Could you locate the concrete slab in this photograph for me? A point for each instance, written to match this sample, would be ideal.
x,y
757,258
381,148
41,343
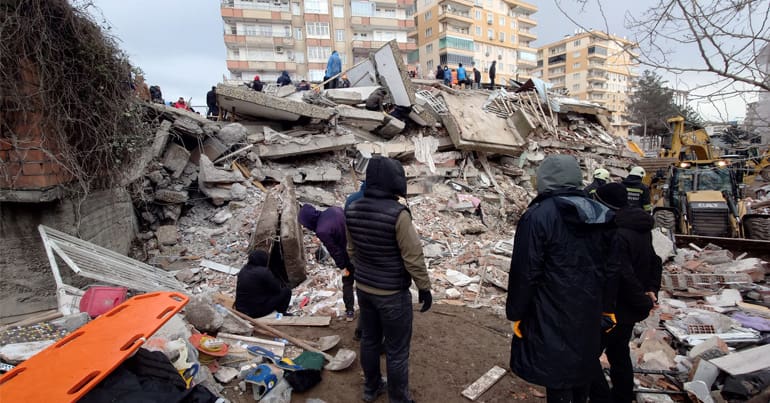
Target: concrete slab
x,y
266,226
244,101
300,174
213,148
170,196
362,74
350,96
360,118
210,174
175,159
391,128
187,125
161,138
393,74
292,237
471,128
317,144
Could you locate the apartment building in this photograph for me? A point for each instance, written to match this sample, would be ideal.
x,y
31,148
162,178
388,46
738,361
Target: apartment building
x,y
265,37
592,66
449,32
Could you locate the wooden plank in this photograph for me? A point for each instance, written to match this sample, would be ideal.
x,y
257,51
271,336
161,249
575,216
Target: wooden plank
x,y
296,320
483,384
219,267
745,361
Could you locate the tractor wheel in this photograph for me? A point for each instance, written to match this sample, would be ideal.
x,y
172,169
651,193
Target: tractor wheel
x,y
757,228
665,219
765,173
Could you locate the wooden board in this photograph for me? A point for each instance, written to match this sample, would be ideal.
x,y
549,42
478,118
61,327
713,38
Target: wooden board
x,y
744,362
483,384
270,320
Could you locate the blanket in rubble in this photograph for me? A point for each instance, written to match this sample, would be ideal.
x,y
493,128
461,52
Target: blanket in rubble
x,y
148,377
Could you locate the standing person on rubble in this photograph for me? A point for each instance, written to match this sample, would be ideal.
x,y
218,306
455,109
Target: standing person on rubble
x,y
601,176
211,102
447,74
638,192
476,78
257,84
556,282
439,73
387,253
333,68
284,79
257,291
462,75
492,74
639,272
329,227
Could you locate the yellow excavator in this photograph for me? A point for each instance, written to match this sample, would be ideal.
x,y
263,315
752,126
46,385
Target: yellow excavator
x,y
695,193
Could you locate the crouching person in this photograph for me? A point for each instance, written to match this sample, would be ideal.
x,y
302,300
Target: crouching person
x,y
258,292
387,254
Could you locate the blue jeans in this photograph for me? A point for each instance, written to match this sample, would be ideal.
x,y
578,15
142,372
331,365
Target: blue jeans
x,y
388,316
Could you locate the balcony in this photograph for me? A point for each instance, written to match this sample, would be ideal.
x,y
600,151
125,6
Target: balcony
x,y
461,3
522,7
525,20
455,15
369,23
254,41
365,47
282,63
251,15
527,62
597,89
526,33
412,34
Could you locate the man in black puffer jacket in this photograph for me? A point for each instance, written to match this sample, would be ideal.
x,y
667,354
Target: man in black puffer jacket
x,y
638,271
556,283
387,254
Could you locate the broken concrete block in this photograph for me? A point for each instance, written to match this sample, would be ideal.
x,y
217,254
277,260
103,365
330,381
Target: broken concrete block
x,y
175,328
473,229
248,102
317,174
350,96
391,128
210,174
317,196
459,279
167,235
653,398
711,348
714,257
267,224
187,126
175,159
233,325
656,354
361,118
185,275
170,196
699,390
663,245
705,372
213,148
172,211
292,237
232,134
17,353
728,297
200,313
221,216
432,250
155,177
471,128
753,267
316,144
238,192
161,139
452,293
226,374
72,322
218,195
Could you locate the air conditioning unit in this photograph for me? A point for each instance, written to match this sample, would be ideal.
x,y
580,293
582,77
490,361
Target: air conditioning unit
x,y
490,22
499,57
486,54
279,49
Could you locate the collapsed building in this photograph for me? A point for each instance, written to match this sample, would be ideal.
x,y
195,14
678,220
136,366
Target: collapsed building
x,y
205,193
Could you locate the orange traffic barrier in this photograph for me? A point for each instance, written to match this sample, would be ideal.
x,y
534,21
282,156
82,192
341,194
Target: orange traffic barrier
x,y
68,369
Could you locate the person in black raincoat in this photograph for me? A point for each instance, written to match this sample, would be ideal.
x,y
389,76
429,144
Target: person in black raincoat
x,y
638,271
556,283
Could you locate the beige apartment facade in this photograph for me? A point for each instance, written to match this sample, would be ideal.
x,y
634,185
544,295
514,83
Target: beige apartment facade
x,y
450,32
592,66
266,37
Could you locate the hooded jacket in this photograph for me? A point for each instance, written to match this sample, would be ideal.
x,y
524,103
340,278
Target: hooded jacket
x,y
557,278
386,251
334,65
256,286
637,266
493,69
284,79
329,227
439,73
638,192
591,188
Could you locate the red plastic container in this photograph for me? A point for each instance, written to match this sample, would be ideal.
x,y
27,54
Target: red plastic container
x,y
100,299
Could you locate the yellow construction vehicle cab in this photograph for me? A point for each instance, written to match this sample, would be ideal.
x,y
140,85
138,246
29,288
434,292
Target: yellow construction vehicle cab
x,y
688,146
703,198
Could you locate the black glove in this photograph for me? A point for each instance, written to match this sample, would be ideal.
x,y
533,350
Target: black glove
x,y
425,297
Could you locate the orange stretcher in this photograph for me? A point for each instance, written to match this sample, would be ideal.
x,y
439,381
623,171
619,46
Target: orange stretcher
x,y
68,369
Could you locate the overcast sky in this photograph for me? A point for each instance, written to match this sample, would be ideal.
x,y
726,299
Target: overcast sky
x,y
180,47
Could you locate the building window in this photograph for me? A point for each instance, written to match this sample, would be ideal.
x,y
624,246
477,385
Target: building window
x,y
316,75
298,34
501,36
317,29
576,43
429,32
429,64
428,15
429,48
490,19
295,9
386,13
576,76
478,14
318,53
513,40
478,31
317,6
339,11
513,24
490,34
361,8
576,54
575,65
501,21
575,87
339,34
476,47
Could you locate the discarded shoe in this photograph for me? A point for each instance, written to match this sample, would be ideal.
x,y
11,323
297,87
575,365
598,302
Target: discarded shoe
x,y
349,316
262,380
372,396
282,363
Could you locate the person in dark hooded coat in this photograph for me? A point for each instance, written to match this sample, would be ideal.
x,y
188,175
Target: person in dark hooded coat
x,y
639,272
556,283
284,79
387,253
257,291
329,227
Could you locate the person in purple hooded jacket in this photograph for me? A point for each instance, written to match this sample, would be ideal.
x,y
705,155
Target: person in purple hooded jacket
x,y
329,227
